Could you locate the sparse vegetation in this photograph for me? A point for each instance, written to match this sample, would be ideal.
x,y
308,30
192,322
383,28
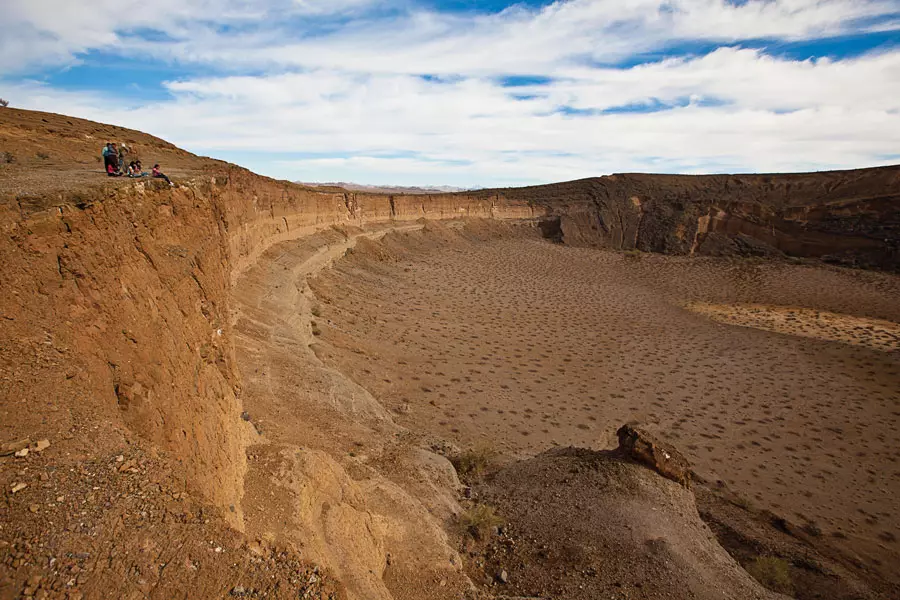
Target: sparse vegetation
x,y
742,502
42,155
633,254
4,103
772,572
812,528
479,520
316,311
471,464
7,157
315,329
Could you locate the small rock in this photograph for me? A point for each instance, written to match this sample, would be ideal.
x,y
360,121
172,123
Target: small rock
x,y
120,458
22,453
42,445
503,577
238,590
34,508
18,487
12,447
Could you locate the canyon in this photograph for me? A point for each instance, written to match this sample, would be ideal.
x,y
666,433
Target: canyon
x,y
207,425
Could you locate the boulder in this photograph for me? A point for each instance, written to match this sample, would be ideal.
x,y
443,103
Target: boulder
x,y
644,448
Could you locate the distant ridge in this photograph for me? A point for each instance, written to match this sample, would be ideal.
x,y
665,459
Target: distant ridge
x,y
390,189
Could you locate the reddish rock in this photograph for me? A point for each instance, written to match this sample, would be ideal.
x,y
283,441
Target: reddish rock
x,y
654,453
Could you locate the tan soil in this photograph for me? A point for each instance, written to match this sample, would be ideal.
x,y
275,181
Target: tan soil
x,y
807,322
522,345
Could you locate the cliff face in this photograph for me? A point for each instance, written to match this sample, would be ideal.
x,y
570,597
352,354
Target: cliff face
x,y
847,217
129,287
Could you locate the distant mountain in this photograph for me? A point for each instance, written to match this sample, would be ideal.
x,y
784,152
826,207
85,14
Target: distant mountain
x,y
390,189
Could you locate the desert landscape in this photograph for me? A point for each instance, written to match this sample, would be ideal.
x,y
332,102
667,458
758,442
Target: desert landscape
x,y
243,387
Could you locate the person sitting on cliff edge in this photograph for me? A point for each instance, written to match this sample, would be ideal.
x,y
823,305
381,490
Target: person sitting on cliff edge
x,y
159,174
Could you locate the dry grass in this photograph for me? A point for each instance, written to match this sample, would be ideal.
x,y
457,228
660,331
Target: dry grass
x,y
772,572
472,463
479,520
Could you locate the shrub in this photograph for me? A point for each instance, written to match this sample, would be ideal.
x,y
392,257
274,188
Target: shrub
x,y
479,520
771,572
316,311
42,155
4,103
472,463
742,502
7,157
812,528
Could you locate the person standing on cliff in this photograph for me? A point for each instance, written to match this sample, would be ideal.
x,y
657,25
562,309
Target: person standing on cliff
x,y
123,151
107,154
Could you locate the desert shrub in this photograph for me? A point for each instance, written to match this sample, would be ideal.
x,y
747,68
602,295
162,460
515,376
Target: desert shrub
x,y
7,157
812,528
472,463
742,502
633,254
42,155
479,520
4,103
315,329
772,572
316,311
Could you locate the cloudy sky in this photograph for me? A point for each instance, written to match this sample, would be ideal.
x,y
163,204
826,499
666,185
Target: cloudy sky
x,y
473,93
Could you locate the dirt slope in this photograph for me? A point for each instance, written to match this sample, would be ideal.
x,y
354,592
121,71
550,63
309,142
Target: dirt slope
x,y
159,337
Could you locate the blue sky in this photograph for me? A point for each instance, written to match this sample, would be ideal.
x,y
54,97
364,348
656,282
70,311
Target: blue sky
x,y
474,93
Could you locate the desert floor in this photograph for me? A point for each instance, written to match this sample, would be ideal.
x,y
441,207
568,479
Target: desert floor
x,y
781,380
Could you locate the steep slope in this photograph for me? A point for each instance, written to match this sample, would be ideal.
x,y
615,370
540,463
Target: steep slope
x,y
849,217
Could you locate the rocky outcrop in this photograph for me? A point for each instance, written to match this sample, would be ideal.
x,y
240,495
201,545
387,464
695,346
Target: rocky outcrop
x,y
644,448
846,217
581,524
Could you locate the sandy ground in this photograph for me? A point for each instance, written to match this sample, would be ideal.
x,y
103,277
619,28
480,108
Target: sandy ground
x,y
520,345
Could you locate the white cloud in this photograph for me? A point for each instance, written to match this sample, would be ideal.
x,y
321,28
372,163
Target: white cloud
x,y
352,98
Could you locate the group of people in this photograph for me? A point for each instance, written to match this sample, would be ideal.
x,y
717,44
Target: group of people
x,y
114,162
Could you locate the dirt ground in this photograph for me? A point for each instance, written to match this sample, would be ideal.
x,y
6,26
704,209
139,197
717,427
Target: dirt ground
x,y
515,344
